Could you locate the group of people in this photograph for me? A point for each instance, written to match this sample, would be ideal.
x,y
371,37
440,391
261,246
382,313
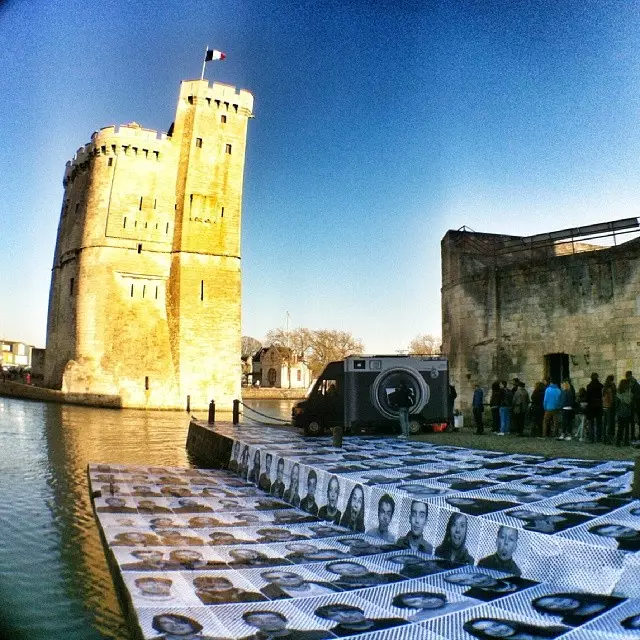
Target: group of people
x,y
597,413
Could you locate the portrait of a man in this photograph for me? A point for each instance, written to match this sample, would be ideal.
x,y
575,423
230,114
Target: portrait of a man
x,y
502,559
414,539
277,488
308,503
386,509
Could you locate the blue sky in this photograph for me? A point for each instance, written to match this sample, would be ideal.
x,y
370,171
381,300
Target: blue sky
x,y
379,125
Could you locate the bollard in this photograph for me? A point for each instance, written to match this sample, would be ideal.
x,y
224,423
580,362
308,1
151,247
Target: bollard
x,y
236,411
635,487
212,412
338,433
188,404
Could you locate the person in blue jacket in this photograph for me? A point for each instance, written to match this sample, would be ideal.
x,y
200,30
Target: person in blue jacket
x,y
552,406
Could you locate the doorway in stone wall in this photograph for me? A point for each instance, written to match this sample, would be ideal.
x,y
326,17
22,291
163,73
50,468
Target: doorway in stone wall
x,y
556,367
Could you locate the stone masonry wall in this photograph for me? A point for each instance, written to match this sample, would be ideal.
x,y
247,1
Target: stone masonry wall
x,y
501,319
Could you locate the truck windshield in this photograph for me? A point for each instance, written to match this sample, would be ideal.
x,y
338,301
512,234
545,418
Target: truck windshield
x,y
326,388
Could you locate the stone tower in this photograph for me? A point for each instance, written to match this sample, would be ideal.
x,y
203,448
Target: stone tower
x,y
146,282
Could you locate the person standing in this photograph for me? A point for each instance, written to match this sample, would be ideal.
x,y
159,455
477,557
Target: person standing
x,y
634,387
594,409
552,408
494,404
624,407
609,409
505,409
520,406
477,405
453,394
537,409
582,413
567,401
402,401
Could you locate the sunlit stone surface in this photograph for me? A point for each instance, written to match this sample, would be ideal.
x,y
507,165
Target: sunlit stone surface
x,y
380,539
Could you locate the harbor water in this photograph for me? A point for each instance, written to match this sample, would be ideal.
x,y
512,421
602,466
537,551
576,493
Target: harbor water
x,y
54,577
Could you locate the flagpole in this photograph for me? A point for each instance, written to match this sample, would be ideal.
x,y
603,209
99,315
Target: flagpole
x,y
204,62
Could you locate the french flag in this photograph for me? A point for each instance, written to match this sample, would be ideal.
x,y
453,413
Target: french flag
x,y
214,54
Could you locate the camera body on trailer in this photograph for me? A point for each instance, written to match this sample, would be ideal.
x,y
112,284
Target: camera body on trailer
x,y
372,383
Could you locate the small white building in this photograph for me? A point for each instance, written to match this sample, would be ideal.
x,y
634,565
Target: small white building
x,y
281,368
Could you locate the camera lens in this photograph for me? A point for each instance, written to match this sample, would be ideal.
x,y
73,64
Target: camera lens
x,y
399,380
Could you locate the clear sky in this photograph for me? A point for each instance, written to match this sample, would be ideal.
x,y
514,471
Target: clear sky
x,y
379,125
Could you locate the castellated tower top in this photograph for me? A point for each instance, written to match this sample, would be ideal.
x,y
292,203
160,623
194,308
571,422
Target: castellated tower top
x,y
217,93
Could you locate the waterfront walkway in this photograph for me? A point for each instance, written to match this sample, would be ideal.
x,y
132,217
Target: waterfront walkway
x,y
414,540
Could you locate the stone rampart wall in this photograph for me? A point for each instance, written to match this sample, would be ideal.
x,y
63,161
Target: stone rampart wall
x,y
500,319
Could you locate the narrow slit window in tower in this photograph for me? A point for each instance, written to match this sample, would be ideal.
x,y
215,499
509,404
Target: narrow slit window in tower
x,y
140,205
223,119
146,224
227,149
156,292
132,290
124,223
199,143
139,248
146,383
167,229
222,212
71,283
110,162
155,202
144,289
201,289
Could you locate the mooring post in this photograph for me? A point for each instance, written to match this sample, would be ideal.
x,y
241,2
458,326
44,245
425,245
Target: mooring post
x,y
236,411
635,487
212,412
188,404
338,433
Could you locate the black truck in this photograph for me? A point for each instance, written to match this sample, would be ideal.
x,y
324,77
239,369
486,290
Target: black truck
x,y
358,393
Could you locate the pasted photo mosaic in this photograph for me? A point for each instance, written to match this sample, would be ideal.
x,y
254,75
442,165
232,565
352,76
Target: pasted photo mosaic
x,y
382,539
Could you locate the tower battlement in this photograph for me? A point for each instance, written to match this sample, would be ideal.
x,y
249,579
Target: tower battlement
x,y
129,139
217,95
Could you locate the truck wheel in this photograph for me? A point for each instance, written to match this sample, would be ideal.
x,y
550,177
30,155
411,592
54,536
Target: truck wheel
x,y
314,428
415,427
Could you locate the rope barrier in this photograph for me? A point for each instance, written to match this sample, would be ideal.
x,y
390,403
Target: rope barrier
x,y
264,415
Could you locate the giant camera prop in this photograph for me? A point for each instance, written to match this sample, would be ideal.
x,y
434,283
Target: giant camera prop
x,y
376,387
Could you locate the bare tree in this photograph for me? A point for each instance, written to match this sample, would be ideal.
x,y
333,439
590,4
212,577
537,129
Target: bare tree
x,y
329,345
249,346
315,346
425,345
